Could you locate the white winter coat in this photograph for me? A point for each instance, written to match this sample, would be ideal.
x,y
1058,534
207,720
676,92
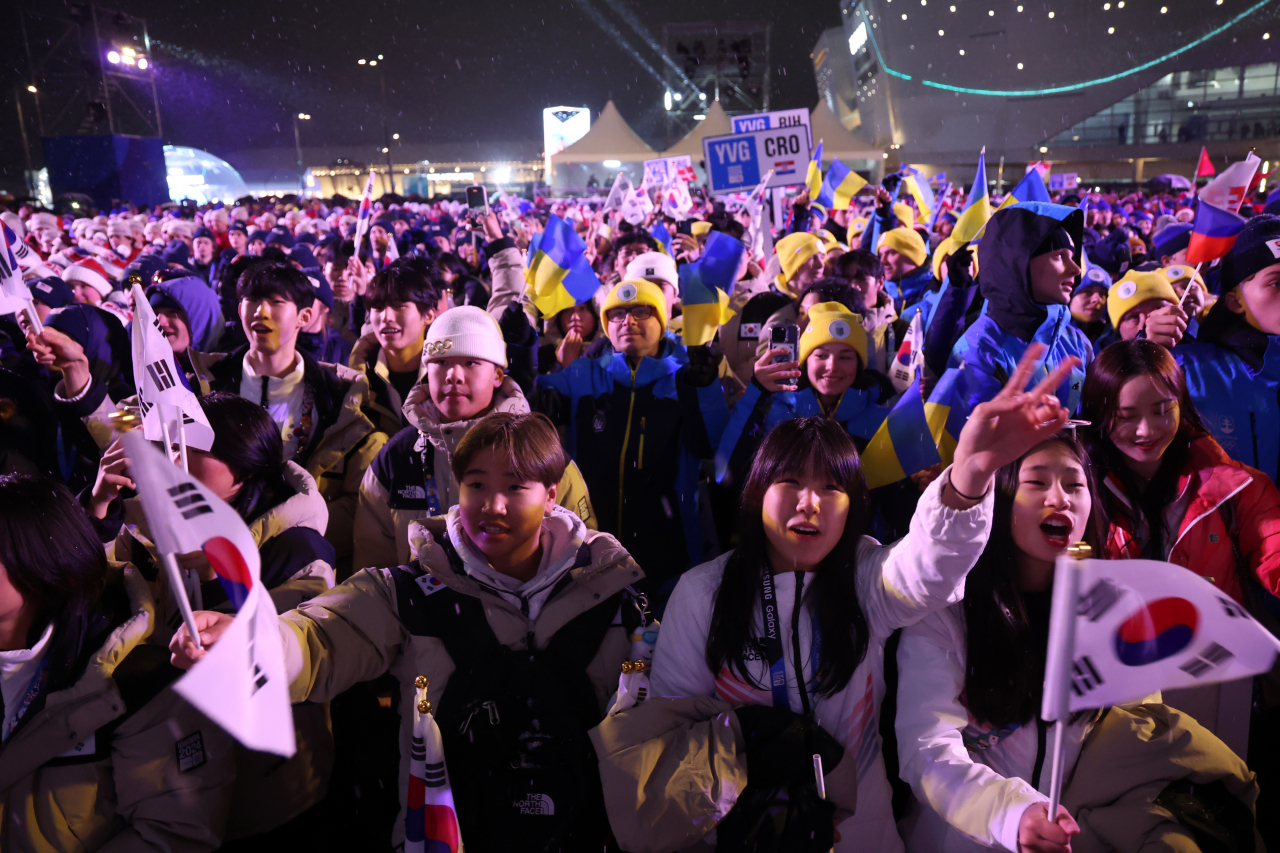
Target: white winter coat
x,y
898,584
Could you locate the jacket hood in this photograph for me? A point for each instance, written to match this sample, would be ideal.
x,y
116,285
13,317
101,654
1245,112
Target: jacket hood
x,y
670,358
197,299
420,410
569,549
1004,261
306,507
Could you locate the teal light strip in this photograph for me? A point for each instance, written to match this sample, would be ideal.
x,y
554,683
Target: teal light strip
x,y
1013,93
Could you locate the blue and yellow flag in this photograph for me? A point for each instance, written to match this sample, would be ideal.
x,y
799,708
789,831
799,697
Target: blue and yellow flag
x,y
813,178
903,445
1030,188
839,186
560,275
920,190
660,233
977,209
947,410
705,286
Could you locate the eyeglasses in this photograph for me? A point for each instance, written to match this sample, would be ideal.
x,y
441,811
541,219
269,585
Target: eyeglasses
x,y
619,315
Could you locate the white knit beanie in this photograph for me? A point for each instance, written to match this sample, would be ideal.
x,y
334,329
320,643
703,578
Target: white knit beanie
x,y
465,331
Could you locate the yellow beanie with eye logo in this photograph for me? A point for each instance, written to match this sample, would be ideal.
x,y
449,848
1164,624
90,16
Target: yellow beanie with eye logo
x,y
907,243
833,323
794,250
637,292
1134,289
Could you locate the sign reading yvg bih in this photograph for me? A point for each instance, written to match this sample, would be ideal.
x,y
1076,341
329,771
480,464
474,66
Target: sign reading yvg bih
x,y
772,121
736,162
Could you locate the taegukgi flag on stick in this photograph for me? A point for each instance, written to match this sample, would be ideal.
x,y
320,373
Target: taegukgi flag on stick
x,y
363,214
241,683
14,294
430,820
166,403
1120,630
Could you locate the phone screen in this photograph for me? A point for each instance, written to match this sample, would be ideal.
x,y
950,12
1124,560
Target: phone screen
x,y
475,199
788,336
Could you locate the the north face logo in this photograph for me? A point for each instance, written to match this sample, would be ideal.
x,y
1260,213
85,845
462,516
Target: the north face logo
x,y
413,493
597,423
539,804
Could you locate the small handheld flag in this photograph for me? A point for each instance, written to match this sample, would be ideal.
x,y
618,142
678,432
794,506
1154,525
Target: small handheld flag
x,y
1204,168
1213,233
902,445
839,186
430,820
366,208
14,295
705,286
660,233
618,193
813,178
560,274
977,208
169,408
241,683
910,357
1227,191
947,410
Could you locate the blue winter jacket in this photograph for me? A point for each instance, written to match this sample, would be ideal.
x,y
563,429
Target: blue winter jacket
x,y
758,411
638,437
989,350
1233,376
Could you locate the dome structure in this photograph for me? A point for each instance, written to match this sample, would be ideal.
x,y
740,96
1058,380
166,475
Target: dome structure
x,y
201,177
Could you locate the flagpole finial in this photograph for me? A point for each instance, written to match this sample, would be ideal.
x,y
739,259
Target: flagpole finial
x,y
1080,551
627,667
124,421
422,683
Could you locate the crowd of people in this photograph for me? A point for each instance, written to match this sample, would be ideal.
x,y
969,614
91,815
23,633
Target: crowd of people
x,y
445,484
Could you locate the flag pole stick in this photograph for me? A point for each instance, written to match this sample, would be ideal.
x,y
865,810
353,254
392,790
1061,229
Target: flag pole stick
x,y
182,441
1077,552
818,776
125,422
180,595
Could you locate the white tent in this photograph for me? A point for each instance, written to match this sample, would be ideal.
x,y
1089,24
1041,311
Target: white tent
x,y
610,138
715,124
839,143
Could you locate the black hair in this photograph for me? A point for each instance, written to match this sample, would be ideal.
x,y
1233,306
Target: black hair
x,y
247,441
1113,368
792,448
267,279
836,290
1004,669
403,281
229,276
859,263
54,559
722,221
273,252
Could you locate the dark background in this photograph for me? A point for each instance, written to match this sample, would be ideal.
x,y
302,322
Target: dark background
x,y
232,73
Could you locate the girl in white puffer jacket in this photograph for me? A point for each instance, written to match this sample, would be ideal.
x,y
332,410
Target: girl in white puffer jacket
x,y
734,628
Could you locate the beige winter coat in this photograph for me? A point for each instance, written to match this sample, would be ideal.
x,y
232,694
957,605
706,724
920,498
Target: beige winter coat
x,y
161,780
354,633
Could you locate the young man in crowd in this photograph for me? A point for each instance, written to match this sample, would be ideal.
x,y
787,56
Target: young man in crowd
x,y
464,361
203,245
1233,371
318,407
637,419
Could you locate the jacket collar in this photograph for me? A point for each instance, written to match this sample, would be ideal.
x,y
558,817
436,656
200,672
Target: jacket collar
x,y
650,370
421,411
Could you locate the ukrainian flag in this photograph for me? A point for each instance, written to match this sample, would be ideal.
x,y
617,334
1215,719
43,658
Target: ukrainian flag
x,y
560,274
977,209
903,445
813,179
947,411
705,286
1030,188
839,186
920,191
660,233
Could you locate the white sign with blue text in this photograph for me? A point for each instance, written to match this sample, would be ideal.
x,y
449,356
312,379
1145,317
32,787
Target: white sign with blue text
x,y
736,162
773,120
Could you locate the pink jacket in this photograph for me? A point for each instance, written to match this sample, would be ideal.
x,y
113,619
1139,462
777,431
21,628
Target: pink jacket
x,y
1203,543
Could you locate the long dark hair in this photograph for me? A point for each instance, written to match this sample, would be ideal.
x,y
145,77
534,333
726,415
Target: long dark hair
x,y
1099,400
793,447
1004,672
53,558
248,441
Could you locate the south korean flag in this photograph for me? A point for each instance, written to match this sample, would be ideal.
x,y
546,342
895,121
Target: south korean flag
x,y
241,683
163,399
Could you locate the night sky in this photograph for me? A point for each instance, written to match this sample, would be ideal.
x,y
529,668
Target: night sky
x,y
232,72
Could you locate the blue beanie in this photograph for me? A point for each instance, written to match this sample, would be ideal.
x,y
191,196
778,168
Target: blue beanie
x,y
198,303
1171,240
51,291
203,232
1257,248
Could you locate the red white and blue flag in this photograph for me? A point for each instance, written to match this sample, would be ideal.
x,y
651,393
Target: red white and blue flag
x,y
910,357
241,683
167,405
430,821
1120,630
366,208
14,295
1213,233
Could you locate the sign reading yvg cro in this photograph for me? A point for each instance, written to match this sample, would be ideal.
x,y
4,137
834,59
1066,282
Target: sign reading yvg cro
x,y
737,162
